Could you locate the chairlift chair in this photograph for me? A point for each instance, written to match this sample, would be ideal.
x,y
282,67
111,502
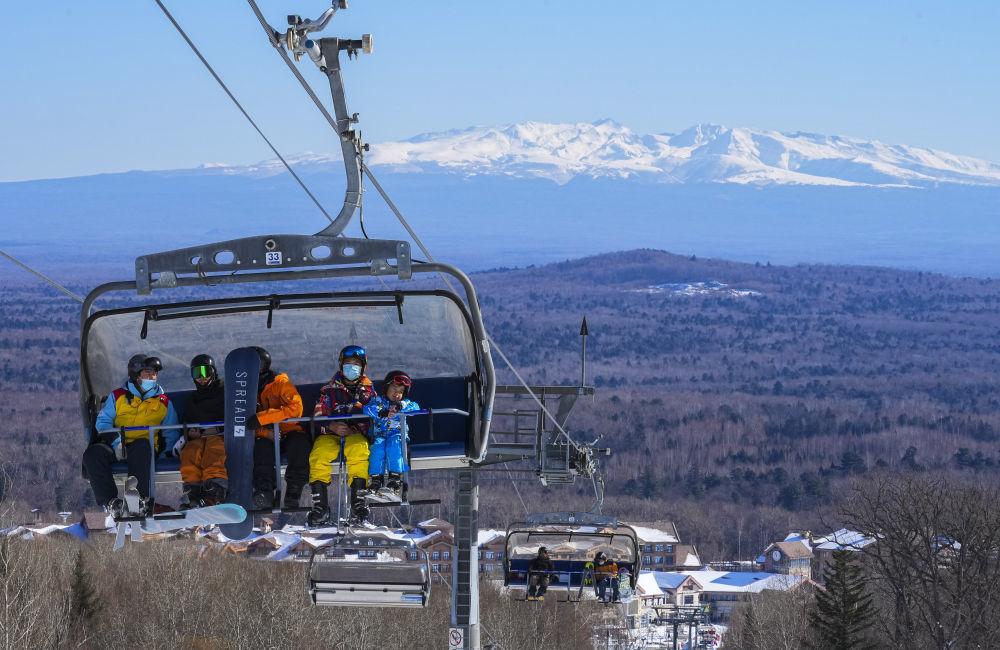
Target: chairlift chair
x,y
573,539
437,336
370,570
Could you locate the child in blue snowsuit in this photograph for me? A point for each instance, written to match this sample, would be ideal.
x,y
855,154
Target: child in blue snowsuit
x,y
386,463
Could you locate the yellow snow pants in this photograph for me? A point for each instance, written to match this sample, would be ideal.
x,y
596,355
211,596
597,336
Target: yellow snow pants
x,y
326,450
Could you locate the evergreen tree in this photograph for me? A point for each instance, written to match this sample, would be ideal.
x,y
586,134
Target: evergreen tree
x,y
844,611
648,483
84,605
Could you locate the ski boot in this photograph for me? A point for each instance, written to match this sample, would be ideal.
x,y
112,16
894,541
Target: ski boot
x,y
263,499
147,507
393,489
117,508
320,513
190,497
375,485
212,494
293,496
359,508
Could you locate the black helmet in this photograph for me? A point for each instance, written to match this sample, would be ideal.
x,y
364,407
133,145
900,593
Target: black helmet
x,y
203,366
265,359
140,362
354,352
398,377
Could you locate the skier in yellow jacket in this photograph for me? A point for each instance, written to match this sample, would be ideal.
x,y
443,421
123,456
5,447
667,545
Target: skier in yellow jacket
x,y
345,394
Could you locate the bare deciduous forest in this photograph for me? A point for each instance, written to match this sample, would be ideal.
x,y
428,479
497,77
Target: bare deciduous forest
x,y
737,417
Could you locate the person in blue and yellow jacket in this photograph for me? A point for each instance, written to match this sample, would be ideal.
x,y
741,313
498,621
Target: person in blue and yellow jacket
x,y
121,434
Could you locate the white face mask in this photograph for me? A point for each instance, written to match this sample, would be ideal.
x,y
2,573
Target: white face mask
x,y
351,371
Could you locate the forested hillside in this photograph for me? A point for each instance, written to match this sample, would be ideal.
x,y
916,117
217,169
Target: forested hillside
x,y
738,407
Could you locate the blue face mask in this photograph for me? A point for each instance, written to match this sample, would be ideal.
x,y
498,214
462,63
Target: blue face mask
x,y
146,385
351,371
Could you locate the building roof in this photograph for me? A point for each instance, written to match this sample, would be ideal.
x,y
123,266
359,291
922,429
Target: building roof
x,y
656,532
744,581
436,522
792,550
842,540
646,584
489,535
691,560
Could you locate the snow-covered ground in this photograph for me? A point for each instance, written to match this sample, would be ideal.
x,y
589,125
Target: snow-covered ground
x,y
711,287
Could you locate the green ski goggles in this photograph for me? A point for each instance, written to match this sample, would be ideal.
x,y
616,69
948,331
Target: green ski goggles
x,y
202,372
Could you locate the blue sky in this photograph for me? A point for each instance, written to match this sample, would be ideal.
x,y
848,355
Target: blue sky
x,y
92,87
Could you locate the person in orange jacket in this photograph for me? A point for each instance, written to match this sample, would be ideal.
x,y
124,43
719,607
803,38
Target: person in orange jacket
x,y
277,400
606,575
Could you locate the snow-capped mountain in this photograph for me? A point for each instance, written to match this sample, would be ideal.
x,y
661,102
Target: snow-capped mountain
x,y
705,153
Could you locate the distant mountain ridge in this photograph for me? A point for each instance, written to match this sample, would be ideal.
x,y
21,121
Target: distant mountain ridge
x,y
704,153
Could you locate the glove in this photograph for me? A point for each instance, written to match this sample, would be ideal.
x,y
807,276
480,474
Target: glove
x,y
176,451
113,439
383,412
252,422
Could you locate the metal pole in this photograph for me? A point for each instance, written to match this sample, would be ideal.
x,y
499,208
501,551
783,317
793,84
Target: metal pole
x,y
330,48
583,352
465,592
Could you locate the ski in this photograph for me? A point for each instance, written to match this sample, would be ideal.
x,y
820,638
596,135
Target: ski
x,y
241,370
126,525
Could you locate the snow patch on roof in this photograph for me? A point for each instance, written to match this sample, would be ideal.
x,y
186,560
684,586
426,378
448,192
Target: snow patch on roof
x,y
744,582
691,560
842,540
647,535
488,535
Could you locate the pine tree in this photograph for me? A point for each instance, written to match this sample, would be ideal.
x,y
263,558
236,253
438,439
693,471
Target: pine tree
x,y
844,611
84,604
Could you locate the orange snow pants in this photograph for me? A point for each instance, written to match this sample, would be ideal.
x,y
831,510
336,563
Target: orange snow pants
x,y
203,459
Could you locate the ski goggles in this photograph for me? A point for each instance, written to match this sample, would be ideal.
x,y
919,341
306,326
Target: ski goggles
x,y
401,380
202,372
354,352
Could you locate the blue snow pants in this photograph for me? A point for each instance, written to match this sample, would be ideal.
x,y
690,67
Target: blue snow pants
x,y
386,454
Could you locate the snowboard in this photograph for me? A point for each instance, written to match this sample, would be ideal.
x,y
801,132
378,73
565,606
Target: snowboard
x,y
223,513
241,370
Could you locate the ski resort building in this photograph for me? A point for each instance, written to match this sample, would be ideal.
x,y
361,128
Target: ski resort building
x,y
792,558
656,588
723,590
662,550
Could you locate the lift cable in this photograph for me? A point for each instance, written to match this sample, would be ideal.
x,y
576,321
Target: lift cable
x,y
273,37
41,275
221,83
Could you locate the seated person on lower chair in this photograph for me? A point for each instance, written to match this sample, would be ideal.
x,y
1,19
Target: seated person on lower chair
x,y
387,463
203,455
139,402
345,394
606,575
539,575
